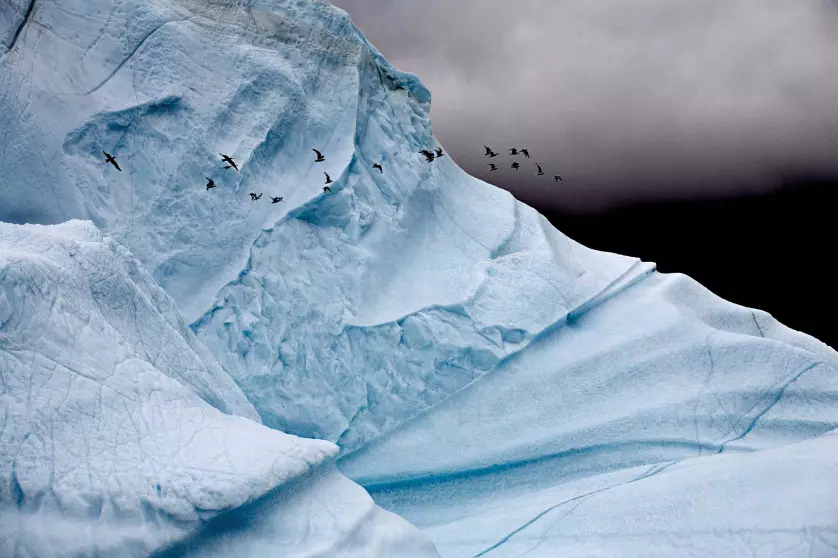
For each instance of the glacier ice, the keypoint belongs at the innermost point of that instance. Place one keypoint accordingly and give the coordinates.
(508, 390)
(122, 436)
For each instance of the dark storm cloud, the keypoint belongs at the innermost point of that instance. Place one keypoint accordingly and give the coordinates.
(624, 98)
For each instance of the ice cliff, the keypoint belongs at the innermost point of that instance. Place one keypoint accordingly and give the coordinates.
(508, 390)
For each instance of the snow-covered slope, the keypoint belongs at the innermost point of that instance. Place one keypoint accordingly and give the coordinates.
(113, 440)
(468, 358)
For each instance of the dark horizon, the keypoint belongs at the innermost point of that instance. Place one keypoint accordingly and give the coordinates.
(769, 251)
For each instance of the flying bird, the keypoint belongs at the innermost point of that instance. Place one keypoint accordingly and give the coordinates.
(557, 178)
(110, 159)
(328, 178)
(326, 189)
(493, 167)
(488, 150)
(429, 155)
(231, 163)
(439, 152)
(254, 197)
(210, 183)
(526, 153)
(276, 200)
(378, 166)
(513, 151)
(320, 157)
(515, 165)
(540, 172)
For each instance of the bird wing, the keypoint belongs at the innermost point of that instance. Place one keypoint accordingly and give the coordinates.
(116, 165)
(318, 153)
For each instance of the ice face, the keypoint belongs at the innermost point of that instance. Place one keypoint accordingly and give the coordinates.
(467, 358)
(113, 439)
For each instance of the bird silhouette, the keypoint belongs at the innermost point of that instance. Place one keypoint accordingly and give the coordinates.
(326, 189)
(110, 159)
(328, 178)
(439, 152)
(526, 153)
(513, 151)
(320, 157)
(210, 183)
(254, 197)
(378, 166)
(493, 167)
(515, 165)
(557, 178)
(227, 159)
(276, 200)
(540, 172)
(429, 155)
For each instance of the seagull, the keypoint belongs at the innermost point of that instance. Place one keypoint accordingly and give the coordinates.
(526, 153)
(210, 183)
(557, 178)
(110, 159)
(540, 172)
(328, 178)
(378, 166)
(320, 157)
(488, 150)
(439, 152)
(513, 151)
(515, 165)
(493, 167)
(228, 159)
(429, 155)
(326, 189)
(276, 200)
(254, 197)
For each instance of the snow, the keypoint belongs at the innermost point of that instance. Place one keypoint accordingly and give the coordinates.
(114, 437)
(476, 368)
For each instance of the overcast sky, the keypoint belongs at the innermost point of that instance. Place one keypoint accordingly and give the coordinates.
(624, 98)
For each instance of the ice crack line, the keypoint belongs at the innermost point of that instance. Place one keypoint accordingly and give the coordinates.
(23, 23)
(654, 470)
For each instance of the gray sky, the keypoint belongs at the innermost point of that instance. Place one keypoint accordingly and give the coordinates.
(624, 98)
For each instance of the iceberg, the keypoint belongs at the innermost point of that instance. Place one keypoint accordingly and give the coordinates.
(502, 387)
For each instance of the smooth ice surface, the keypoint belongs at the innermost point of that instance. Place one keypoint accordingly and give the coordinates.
(552, 452)
(113, 440)
(476, 367)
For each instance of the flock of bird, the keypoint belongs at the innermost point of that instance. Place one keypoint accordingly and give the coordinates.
(231, 164)
(430, 156)
(515, 164)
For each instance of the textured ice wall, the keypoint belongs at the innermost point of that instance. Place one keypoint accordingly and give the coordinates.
(112, 441)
